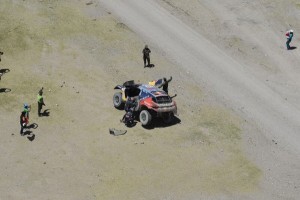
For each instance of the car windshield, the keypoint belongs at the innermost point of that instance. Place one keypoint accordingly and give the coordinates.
(156, 93)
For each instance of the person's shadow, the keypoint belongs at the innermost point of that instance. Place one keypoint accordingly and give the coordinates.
(33, 125)
(30, 135)
(2, 72)
(46, 113)
(292, 48)
(150, 65)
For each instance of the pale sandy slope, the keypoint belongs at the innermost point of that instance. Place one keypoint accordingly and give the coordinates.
(262, 87)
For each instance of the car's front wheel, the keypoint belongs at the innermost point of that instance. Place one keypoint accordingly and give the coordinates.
(117, 99)
(145, 117)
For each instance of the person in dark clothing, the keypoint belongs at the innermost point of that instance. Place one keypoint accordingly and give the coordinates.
(40, 101)
(23, 122)
(289, 37)
(1, 53)
(146, 55)
(165, 84)
(130, 103)
(129, 107)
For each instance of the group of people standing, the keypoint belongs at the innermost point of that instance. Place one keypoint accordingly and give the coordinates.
(24, 117)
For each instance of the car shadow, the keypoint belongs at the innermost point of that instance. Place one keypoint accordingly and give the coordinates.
(158, 123)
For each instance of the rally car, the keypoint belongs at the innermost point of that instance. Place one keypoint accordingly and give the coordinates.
(151, 101)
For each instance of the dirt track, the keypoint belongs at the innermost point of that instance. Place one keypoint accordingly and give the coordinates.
(223, 75)
(236, 134)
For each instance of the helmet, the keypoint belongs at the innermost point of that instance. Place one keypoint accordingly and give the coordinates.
(291, 31)
(25, 105)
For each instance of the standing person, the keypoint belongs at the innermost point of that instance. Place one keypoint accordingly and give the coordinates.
(40, 101)
(165, 84)
(24, 118)
(289, 36)
(1, 53)
(23, 122)
(146, 55)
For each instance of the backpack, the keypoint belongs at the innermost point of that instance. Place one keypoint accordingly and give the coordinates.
(287, 33)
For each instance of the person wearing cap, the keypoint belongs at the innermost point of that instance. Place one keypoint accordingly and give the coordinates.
(40, 101)
(289, 36)
(146, 55)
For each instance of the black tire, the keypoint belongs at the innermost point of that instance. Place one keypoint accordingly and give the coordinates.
(145, 117)
(168, 118)
(117, 99)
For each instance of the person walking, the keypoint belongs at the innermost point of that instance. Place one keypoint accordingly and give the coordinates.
(146, 55)
(165, 84)
(289, 36)
(40, 101)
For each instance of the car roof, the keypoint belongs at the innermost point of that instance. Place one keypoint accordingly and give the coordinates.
(154, 91)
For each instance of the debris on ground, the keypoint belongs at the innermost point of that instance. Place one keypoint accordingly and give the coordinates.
(116, 132)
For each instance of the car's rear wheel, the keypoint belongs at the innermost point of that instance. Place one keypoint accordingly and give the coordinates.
(117, 99)
(145, 117)
(168, 117)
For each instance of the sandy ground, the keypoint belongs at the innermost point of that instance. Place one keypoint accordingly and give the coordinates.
(236, 135)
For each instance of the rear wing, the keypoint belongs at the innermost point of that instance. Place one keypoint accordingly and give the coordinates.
(119, 87)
